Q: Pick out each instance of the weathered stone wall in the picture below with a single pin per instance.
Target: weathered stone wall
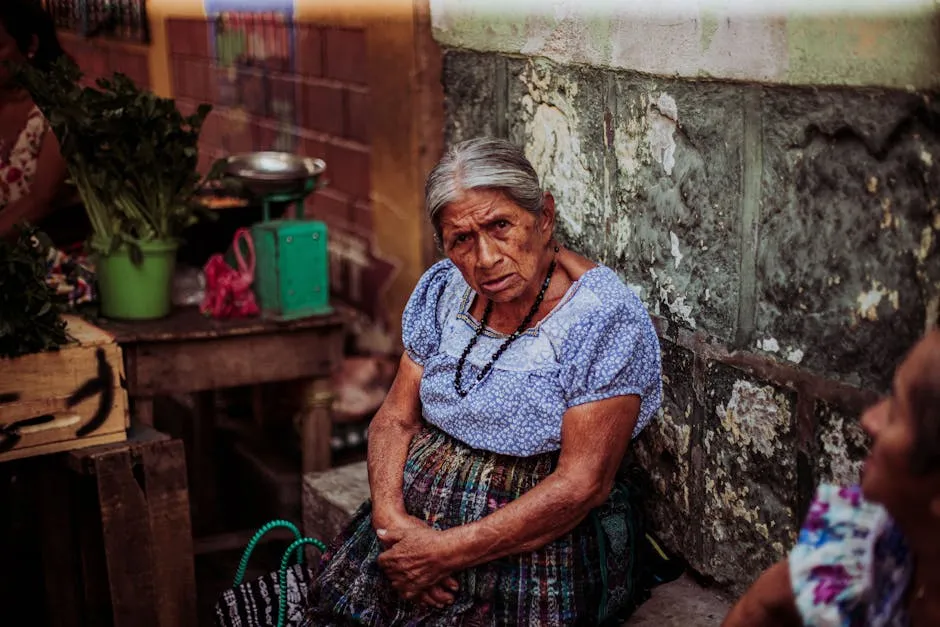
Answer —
(785, 240)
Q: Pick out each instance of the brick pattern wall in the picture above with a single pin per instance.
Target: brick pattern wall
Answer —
(276, 84)
(100, 59)
(304, 89)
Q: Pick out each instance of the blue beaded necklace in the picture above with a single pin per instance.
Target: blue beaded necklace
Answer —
(458, 375)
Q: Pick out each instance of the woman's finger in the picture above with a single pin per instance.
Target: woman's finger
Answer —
(440, 595)
(427, 599)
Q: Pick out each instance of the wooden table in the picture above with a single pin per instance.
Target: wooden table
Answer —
(190, 353)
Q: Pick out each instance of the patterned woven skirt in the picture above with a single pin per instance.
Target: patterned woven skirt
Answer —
(448, 484)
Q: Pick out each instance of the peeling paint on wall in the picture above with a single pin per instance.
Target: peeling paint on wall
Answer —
(755, 416)
(554, 147)
(663, 118)
(869, 301)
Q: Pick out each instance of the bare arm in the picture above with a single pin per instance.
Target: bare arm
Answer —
(594, 438)
(768, 603)
(390, 434)
(44, 188)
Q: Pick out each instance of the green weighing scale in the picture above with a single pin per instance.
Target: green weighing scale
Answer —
(291, 257)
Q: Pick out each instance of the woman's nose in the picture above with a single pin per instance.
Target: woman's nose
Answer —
(487, 254)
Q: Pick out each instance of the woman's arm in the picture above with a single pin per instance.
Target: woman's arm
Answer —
(594, 438)
(390, 434)
(44, 188)
(768, 603)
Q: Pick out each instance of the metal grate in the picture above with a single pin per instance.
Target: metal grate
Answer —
(114, 19)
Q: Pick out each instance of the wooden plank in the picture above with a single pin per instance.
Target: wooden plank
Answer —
(238, 540)
(202, 463)
(59, 374)
(58, 447)
(54, 399)
(85, 333)
(181, 367)
(64, 597)
(317, 426)
(188, 324)
(94, 568)
(82, 461)
(174, 575)
(128, 543)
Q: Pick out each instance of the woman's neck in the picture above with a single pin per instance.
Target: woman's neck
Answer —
(924, 542)
(520, 307)
(12, 95)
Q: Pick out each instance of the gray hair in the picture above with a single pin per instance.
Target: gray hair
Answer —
(483, 163)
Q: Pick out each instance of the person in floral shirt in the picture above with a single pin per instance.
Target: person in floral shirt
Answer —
(869, 555)
(32, 171)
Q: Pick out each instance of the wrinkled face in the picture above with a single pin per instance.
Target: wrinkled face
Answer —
(497, 245)
(9, 53)
(887, 477)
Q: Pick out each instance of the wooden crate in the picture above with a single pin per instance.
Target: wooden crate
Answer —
(117, 546)
(66, 399)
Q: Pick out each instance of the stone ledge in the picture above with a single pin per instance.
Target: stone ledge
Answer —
(331, 498)
(681, 603)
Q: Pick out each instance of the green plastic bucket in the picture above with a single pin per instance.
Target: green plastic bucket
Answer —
(137, 292)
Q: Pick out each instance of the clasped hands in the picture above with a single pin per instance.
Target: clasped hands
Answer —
(414, 558)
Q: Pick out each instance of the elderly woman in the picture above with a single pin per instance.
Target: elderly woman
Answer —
(527, 370)
(869, 556)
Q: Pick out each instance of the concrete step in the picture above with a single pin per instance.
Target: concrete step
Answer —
(681, 603)
(332, 497)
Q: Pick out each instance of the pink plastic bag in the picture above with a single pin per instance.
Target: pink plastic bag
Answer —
(228, 291)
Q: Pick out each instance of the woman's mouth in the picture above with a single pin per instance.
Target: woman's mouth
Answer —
(497, 285)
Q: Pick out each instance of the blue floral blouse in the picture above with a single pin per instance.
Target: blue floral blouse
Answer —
(597, 343)
(851, 566)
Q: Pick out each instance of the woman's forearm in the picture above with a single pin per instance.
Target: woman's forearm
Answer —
(550, 510)
(390, 434)
(768, 603)
(389, 440)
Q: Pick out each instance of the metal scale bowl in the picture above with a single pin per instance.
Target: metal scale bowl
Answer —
(275, 177)
(291, 256)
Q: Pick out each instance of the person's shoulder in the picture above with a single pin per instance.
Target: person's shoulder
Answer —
(434, 296)
(436, 278)
(608, 295)
(438, 285)
(832, 563)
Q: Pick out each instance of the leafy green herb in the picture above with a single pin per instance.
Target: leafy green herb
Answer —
(30, 310)
(130, 153)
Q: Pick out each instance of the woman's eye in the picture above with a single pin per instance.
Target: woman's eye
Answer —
(460, 239)
(502, 224)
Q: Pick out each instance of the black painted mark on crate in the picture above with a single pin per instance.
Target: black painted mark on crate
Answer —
(102, 385)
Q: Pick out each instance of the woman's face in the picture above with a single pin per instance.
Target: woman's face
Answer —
(497, 245)
(887, 477)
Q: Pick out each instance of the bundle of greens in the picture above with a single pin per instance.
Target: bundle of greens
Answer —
(30, 310)
(131, 154)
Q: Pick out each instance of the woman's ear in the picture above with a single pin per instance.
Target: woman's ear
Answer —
(33, 47)
(547, 219)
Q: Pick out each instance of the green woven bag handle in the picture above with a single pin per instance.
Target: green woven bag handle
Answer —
(296, 545)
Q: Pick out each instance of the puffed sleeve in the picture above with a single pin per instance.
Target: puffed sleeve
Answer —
(614, 352)
(831, 565)
(421, 322)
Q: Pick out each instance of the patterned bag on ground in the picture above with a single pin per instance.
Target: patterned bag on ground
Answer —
(277, 599)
